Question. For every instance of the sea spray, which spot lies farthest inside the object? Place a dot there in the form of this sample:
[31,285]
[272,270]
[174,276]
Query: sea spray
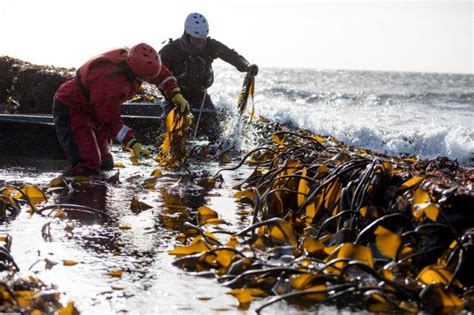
[420,114]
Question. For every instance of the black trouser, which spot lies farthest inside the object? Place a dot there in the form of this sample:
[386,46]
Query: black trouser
[62,122]
[209,124]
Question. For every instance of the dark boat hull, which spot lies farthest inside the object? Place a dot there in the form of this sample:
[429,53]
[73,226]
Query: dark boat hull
[35,135]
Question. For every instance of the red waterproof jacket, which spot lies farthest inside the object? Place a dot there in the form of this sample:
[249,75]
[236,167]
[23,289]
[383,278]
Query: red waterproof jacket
[106,93]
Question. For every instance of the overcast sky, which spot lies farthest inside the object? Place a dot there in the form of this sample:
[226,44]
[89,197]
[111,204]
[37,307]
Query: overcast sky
[400,35]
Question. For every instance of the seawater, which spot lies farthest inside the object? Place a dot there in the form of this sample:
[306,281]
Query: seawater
[396,113]
[150,283]
[416,114]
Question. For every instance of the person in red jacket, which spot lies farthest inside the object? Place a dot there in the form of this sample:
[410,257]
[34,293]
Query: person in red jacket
[86,107]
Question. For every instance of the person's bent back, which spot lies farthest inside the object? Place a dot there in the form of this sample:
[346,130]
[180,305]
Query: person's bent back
[86,107]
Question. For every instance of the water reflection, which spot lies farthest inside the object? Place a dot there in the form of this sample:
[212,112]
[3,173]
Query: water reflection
[141,251]
[85,194]
[178,202]
[174,212]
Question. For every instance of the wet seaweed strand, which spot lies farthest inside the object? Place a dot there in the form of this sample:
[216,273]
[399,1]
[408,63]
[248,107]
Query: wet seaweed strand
[331,224]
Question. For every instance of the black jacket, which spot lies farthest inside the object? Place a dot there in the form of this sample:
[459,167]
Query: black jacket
[194,71]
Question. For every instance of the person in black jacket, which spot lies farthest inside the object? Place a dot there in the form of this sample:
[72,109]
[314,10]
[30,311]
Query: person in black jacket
[190,59]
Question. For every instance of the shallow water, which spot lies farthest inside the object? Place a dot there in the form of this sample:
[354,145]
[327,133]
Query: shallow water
[150,283]
[393,113]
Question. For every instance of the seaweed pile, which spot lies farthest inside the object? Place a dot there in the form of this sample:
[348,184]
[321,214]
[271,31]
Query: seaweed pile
[330,224]
[27,88]
[322,223]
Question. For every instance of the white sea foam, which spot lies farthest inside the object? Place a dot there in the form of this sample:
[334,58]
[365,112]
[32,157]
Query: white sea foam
[425,115]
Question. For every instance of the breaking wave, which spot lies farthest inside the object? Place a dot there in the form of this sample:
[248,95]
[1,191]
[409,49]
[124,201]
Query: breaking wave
[425,115]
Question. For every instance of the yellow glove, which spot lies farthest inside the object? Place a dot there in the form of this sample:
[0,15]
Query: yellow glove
[179,100]
[139,151]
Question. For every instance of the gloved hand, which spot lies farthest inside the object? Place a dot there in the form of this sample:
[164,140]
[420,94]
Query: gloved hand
[139,151]
[179,100]
[252,69]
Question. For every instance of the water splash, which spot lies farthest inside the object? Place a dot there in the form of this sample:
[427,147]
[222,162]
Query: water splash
[419,114]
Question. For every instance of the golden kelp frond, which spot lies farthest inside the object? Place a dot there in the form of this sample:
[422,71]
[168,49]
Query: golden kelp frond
[413,182]
[245,196]
[245,295]
[248,89]
[283,231]
[173,148]
[353,252]
[12,197]
[437,274]
[137,206]
[196,246]
[206,215]
[34,193]
[387,242]
[251,94]
[278,139]
[157,172]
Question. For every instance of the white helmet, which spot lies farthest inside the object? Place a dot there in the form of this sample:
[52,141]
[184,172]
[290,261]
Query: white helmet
[196,25]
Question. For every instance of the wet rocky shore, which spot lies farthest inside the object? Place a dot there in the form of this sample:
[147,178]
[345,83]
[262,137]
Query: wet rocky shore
[318,222]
